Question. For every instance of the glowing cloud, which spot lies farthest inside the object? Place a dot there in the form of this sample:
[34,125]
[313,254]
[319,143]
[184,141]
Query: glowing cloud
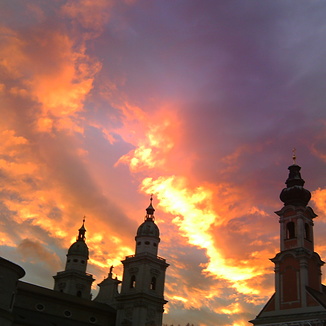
[101,99]
[195,217]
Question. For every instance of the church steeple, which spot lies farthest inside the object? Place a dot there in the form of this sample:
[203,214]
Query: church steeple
[141,300]
[74,279]
[299,294]
[148,234]
[296,217]
[78,252]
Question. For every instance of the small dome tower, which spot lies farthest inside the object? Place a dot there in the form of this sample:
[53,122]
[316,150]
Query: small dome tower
[148,234]
[74,279]
[77,255]
[141,300]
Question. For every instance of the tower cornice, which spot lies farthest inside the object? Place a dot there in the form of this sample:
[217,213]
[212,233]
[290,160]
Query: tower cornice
[306,210]
[297,253]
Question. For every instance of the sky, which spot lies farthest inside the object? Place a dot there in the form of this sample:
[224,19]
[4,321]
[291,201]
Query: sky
[199,103]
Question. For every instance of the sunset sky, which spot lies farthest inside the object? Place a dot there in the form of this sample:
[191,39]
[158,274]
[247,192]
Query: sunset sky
[199,102]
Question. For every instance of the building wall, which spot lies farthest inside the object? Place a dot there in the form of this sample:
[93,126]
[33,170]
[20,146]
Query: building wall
[38,306]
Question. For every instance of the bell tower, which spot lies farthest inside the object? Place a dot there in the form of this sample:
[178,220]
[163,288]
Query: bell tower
[297,265]
[141,300]
[299,297]
[74,279]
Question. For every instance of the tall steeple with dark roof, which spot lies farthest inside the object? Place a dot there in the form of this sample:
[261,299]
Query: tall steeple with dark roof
[74,279]
[141,300]
[300,297]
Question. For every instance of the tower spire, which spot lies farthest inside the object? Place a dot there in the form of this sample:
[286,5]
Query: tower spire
[82,231]
[141,299]
[150,210]
[74,279]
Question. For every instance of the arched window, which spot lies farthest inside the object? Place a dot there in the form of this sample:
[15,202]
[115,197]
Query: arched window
[153,283]
[290,230]
[307,231]
[79,294]
[133,282]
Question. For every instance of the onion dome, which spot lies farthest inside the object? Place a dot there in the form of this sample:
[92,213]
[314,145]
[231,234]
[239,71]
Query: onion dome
[295,194]
[148,227]
[79,247]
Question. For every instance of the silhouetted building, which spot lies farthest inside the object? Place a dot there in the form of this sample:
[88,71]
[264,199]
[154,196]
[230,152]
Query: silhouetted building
[141,299]
[300,297]
[74,279]
[140,302]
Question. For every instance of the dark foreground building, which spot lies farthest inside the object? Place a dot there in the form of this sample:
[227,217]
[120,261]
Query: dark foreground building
[299,298]
[140,302]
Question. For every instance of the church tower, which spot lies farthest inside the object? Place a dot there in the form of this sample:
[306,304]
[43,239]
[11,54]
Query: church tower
[141,300]
[300,297]
[74,279]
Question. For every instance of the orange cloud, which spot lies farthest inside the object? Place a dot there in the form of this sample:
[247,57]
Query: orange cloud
[319,199]
[153,135]
[12,57]
[53,71]
[196,215]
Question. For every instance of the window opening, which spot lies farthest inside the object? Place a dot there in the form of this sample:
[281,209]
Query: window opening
[290,230]
[39,307]
[92,320]
[307,231]
[67,313]
[133,282]
[153,283]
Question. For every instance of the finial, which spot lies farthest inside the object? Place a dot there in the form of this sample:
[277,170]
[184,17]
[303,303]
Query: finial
[294,157]
[84,219]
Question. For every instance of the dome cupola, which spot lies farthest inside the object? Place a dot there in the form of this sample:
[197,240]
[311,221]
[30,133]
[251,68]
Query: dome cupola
[78,252]
[148,234]
[78,248]
[295,194]
[74,279]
